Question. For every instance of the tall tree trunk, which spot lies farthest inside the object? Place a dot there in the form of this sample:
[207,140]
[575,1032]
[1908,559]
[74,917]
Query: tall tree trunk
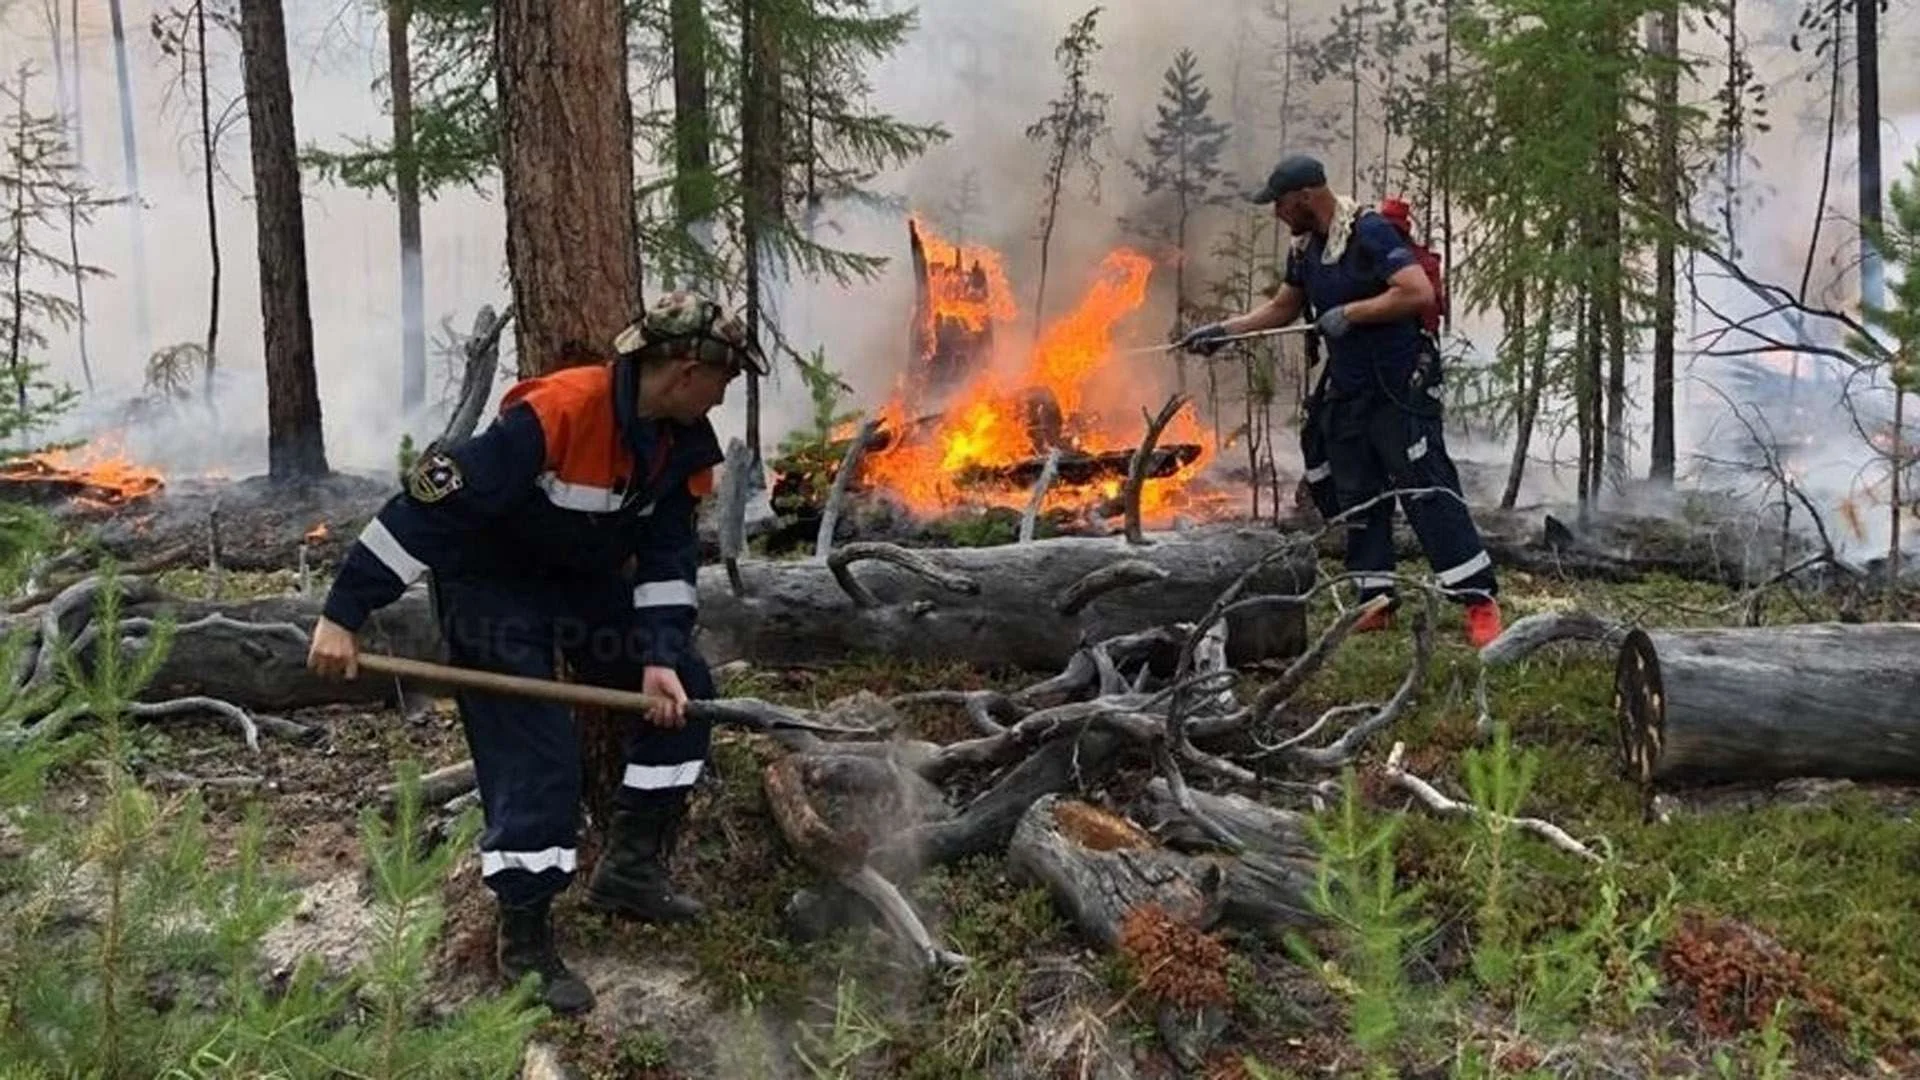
[762,136]
[1353,81]
[571,247]
[1666,37]
[296,447]
[1613,270]
[142,321]
[692,122]
[1867,51]
[213,212]
[406,182]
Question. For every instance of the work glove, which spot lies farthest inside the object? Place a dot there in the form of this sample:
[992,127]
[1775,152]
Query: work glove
[1204,340]
[1333,322]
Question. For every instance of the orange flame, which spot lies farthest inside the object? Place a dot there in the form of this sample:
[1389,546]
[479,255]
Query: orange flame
[1070,389]
[98,474]
[315,534]
[965,283]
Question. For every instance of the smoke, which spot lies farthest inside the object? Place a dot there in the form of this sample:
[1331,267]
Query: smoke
[984,69]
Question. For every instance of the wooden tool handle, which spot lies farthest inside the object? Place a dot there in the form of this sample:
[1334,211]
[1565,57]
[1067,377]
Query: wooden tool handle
[517,685]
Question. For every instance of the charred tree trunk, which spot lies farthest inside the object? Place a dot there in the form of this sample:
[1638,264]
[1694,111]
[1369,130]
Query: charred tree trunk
[1766,703]
[295,443]
[566,139]
[1527,390]
[406,182]
[1867,52]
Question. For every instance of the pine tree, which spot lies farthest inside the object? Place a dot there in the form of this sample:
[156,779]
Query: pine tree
[41,191]
[1555,163]
[1073,123]
[1182,163]
[1895,240]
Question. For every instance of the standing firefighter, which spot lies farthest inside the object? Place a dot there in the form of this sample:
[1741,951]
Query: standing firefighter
[568,525]
[1354,275]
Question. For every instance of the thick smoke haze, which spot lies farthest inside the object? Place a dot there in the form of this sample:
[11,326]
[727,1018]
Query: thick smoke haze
[984,69]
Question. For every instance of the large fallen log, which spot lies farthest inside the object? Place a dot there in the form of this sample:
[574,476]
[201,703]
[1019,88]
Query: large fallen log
[796,613]
[1766,703]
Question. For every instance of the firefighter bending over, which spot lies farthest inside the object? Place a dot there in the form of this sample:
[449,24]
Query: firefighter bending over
[1353,274]
[568,524]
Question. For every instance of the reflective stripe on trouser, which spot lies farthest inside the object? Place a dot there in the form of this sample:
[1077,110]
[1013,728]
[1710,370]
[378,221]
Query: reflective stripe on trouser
[1375,446]
[526,754]
[1319,472]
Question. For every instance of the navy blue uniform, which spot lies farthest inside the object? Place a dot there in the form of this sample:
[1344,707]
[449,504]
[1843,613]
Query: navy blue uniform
[567,527]
[1379,417]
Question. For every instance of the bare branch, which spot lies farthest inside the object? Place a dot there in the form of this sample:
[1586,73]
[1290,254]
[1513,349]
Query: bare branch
[849,465]
[1440,804]
[1137,469]
[841,560]
[1119,574]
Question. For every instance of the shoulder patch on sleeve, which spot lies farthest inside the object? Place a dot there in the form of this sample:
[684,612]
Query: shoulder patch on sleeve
[701,483]
[434,477]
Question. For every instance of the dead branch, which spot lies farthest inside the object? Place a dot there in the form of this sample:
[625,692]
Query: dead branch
[1030,517]
[733,511]
[1534,632]
[1343,750]
[152,564]
[1120,574]
[1137,469]
[849,466]
[437,786]
[482,350]
[841,560]
[1310,662]
[900,916]
[1440,804]
[980,705]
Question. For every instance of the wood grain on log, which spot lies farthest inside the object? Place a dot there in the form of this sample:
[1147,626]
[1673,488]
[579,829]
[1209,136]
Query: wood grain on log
[1767,703]
[1098,867]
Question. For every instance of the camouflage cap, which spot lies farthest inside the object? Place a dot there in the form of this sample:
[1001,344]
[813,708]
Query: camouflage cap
[686,324]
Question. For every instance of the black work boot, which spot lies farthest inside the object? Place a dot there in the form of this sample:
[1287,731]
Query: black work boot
[632,878]
[526,945]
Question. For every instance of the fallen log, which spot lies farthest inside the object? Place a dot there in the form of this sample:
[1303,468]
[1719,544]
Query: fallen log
[256,656]
[1099,867]
[797,613]
[1768,703]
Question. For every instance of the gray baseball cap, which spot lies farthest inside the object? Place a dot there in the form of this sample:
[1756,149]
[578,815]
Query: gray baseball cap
[1295,173]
